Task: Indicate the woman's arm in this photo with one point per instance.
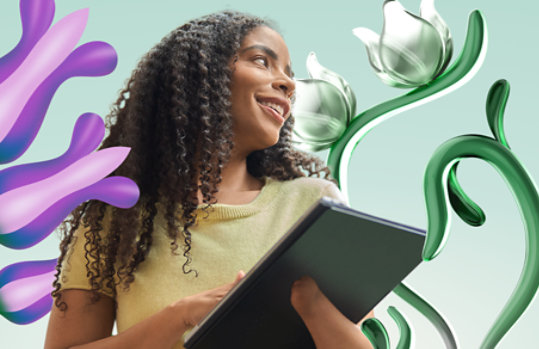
(89, 325)
(328, 327)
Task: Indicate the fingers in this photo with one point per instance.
(227, 287)
(306, 282)
(239, 276)
(200, 304)
(305, 296)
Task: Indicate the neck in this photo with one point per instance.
(237, 185)
(235, 176)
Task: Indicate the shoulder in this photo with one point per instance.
(307, 183)
(311, 187)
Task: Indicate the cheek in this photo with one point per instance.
(240, 104)
(243, 100)
(249, 79)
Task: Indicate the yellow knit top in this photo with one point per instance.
(231, 238)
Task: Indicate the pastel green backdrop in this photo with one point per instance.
(476, 272)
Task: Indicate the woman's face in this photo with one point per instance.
(261, 88)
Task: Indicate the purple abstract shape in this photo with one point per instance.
(22, 205)
(47, 55)
(117, 191)
(36, 18)
(88, 132)
(25, 290)
(91, 59)
(35, 198)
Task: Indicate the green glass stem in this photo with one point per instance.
(466, 208)
(376, 333)
(495, 108)
(527, 197)
(464, 68)
(412, 298)
(405, 340)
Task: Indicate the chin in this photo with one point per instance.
(268, 142)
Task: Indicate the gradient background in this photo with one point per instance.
(472, 278)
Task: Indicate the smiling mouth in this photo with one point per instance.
(274, 112)
(278, 108)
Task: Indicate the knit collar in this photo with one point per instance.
(226, 211)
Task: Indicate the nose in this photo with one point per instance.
(286, 84)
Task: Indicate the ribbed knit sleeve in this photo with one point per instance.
(73, 274)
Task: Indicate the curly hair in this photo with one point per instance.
(174, 114)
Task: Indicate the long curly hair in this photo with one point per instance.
(174, 114)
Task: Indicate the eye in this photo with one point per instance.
(261, 60)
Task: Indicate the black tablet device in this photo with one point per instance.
(356, 260)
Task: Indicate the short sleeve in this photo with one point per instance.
(333, 192)
(73, 273)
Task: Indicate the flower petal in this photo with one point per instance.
(410, 47)
(371, 40)
(428, 12)
(309, 146)
(319, 111)
(317, 71)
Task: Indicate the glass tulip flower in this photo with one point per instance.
(323, 107)
(412, 50)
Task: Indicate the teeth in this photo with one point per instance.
(279, 109)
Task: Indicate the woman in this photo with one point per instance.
(207, 116)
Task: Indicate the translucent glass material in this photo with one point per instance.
(324, 106)
(460, 72)
(317, 71)
(372, 41)
(410, 47)
(429, 13)
(526, 194)
(320, 112)
(495, 151)
(412, 50)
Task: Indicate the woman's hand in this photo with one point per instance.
(329, 328)
(306, 297)
(87, 324)
(195, 307)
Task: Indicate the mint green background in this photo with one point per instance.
(470, 281)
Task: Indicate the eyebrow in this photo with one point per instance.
(270, 53)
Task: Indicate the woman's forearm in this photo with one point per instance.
(85, 322)
(164, 329)
(330, 329)
(161, 330)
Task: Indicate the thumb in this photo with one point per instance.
(239, 276)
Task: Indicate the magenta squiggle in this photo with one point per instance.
(91, 59)
(36, 197)
(117, 191)
(25, 290)
(88, 132)
(36, 18)
(48, 53)
(23, 204)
